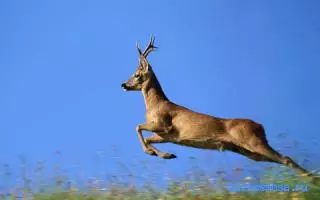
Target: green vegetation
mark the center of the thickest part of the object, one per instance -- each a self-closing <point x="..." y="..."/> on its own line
<point x="182" y="190"/>
<point x="204" y="188"/>
<point x="141" y="181"/>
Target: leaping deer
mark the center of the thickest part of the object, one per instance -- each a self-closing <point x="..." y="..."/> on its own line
<point x="179" y="125"/>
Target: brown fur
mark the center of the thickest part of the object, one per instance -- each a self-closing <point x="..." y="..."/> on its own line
<point x="179" y="125"/>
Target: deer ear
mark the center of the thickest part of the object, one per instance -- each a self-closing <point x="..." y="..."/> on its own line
<point x="144" y="63"/>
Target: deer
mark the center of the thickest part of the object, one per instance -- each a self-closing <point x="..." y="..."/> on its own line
<point x="173" y="123"/>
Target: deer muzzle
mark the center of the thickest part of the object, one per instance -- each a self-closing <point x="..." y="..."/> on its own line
<point x="126" y="87"/>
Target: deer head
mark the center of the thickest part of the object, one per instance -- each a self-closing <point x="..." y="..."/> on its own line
<point x="144" y="72"/>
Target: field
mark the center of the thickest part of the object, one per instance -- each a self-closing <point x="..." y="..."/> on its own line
<point x="147" y="177"/>
<point x="188" y="190"/>
<point x="196" y="184"/>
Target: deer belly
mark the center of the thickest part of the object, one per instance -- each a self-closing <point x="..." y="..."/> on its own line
<point x="203" y="143"/>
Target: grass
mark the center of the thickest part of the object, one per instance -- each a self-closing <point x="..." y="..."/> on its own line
<point x="201" y="187"/>
<point x="126" y="183"/>
<point x="186" y="190"/>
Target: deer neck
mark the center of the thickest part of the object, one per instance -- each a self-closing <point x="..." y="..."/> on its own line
<point x="153" y="93"/>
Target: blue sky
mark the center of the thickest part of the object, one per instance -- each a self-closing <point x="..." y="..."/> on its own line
<point x="62" y="63"/>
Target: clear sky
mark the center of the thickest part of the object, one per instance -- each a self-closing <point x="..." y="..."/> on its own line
<point x="62" y="63"/>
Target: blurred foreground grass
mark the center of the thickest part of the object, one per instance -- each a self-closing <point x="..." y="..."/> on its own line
<point x="141" y="181"/>
<point x="203" y="188"/>
<point x="179" y="191"/>
<point x="182" y="190"/>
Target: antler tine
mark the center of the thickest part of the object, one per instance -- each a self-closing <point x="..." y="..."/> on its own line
<point x="150" y="47"/>
<point x="138" y="48"/>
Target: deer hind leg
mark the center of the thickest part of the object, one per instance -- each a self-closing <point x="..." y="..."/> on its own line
<point x="158" y="139"/>
<point x="263" y="148"/>
<point x="285" y="160"/>
<point x="252" y="155"/>
<point x="268" y="154"/>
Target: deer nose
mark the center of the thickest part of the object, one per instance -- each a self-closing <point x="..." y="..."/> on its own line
<point x="124" y="86"/>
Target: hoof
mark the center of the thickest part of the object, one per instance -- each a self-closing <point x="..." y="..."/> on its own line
<point x="168" y="156"/>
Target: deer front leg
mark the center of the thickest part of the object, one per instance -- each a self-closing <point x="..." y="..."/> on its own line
<point x="139" y="129"/>
<point x="152" y="127"/>
<point x="158" y="139"/>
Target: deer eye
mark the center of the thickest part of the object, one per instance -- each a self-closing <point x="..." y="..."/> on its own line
<point x="137" y="75"/>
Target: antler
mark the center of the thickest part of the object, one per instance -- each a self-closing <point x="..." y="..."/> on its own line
<point x="148" y="49"/>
